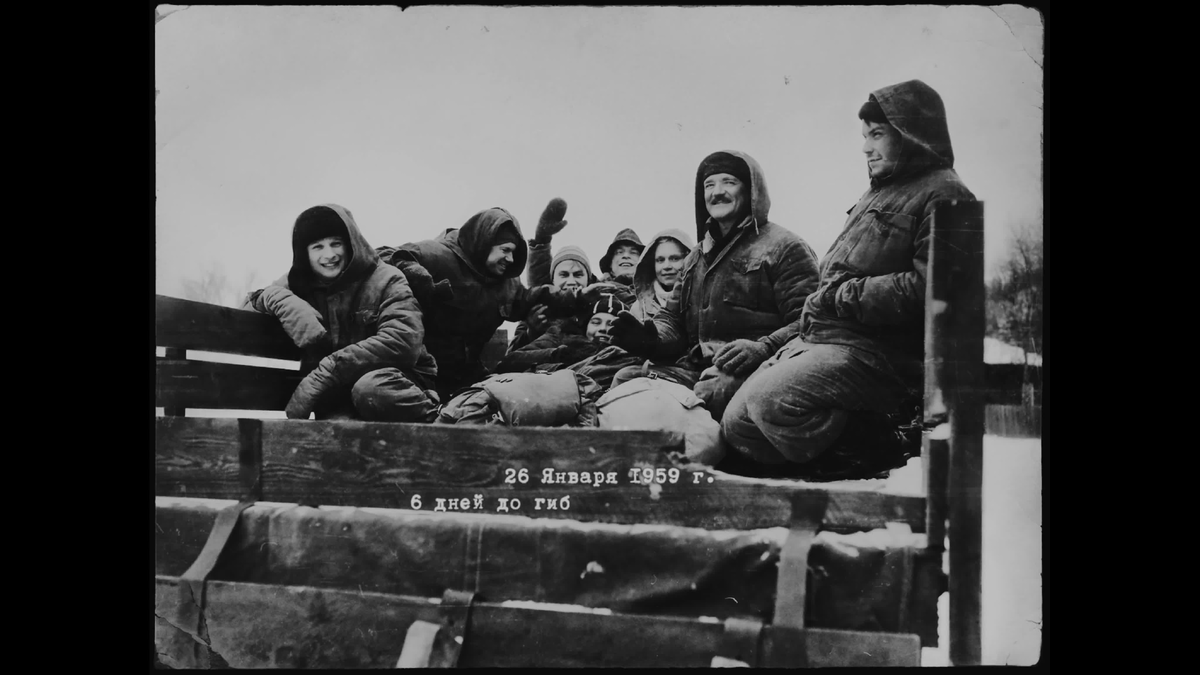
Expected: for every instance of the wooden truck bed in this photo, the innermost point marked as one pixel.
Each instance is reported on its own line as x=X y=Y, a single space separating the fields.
x=301 y=544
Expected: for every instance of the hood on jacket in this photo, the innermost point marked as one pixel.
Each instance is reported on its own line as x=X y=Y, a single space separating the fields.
x=361 y=258
x=625 y=236
x=917 y=112
x=474 y=240
x=643 y=278
x=760 y=200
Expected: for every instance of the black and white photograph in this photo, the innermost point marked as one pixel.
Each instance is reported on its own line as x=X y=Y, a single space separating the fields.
x=564 y=336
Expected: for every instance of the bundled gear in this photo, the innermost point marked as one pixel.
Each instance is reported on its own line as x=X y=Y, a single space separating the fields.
x=653 y=404
x=558 y=399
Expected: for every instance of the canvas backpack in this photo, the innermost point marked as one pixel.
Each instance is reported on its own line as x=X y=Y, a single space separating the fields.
x=654 y=403
x=561 y=398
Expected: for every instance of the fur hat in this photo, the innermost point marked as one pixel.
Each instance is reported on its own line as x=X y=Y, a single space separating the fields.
x=723 y=162
x=317 y=223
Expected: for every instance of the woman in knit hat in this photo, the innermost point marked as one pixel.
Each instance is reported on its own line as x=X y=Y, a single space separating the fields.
x=569 y=270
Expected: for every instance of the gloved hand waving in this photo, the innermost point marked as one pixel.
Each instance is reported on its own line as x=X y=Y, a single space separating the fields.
x=636 y=337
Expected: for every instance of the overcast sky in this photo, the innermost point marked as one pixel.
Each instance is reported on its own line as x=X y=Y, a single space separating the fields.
x=417 y=119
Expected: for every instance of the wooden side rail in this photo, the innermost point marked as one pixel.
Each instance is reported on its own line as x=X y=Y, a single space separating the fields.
x=867 y=584
x=257 y=625
x=185 y=325
x=954 y=395
x=406 y=466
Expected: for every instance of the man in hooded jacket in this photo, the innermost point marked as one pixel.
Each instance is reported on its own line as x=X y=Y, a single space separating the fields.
x=739 y=297
x=467 y=283
x=819 y=408
x=357 y=322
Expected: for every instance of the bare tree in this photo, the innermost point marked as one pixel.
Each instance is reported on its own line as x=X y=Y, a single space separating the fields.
x=1015 y=296
x=213 y=286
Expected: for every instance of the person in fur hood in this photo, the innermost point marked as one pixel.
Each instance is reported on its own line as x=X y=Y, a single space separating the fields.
x=660 y=266
x=839 y=400
x=357 y=322
x=467 y=282
x=740 y=293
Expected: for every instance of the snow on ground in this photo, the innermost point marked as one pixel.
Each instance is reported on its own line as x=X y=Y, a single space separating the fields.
x=1012 y=556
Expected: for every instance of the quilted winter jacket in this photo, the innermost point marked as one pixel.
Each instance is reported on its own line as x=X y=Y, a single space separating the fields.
x=754 y=289
x=885 y=243
x=457 y=330
x=365 y=320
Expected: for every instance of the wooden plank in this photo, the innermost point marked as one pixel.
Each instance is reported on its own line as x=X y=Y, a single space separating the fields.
x=260 y=625
x=1013 y=421
x=197 y=457
x=187 y=324
x=957 y=292
x=832 y=648
x=385 y=465
x=936 y=460
x=177 y=355
x=204 y=384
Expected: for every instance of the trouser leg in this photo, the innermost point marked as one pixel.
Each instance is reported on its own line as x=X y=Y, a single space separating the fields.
x=795 y=408
x=388 y=395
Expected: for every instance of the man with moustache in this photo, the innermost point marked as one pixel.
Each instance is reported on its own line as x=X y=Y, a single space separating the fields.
x=740 y=294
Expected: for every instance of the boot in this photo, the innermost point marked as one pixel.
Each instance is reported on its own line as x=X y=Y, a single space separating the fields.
x=870 y=447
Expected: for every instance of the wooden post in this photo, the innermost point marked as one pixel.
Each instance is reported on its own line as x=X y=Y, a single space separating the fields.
x=956 y=322
x=177 y=354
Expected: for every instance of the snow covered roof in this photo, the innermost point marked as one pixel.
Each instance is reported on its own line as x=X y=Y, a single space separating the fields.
x=995 y=351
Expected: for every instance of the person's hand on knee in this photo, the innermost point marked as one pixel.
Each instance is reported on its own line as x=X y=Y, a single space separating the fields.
x=741 y=357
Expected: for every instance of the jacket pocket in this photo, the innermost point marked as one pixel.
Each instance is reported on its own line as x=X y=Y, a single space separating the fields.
x=366 y=322
x=884 y=244
x=744 y=287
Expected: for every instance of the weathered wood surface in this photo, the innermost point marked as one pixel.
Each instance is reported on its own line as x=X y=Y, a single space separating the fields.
x=187 y=324
x=955 y=332
x=1013 y=421
x=205 y=384
x=640 y=569
x=257 y=626
x=386 y=465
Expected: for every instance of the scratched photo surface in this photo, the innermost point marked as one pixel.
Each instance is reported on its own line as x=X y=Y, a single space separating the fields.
x=417 y=119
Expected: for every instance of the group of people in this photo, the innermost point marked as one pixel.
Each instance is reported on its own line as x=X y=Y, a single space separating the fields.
x=810 y=367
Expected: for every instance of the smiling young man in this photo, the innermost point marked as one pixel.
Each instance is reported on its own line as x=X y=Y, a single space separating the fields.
x=357 y=321
x=468 y=283
x=820 y=407
x=739 y=295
